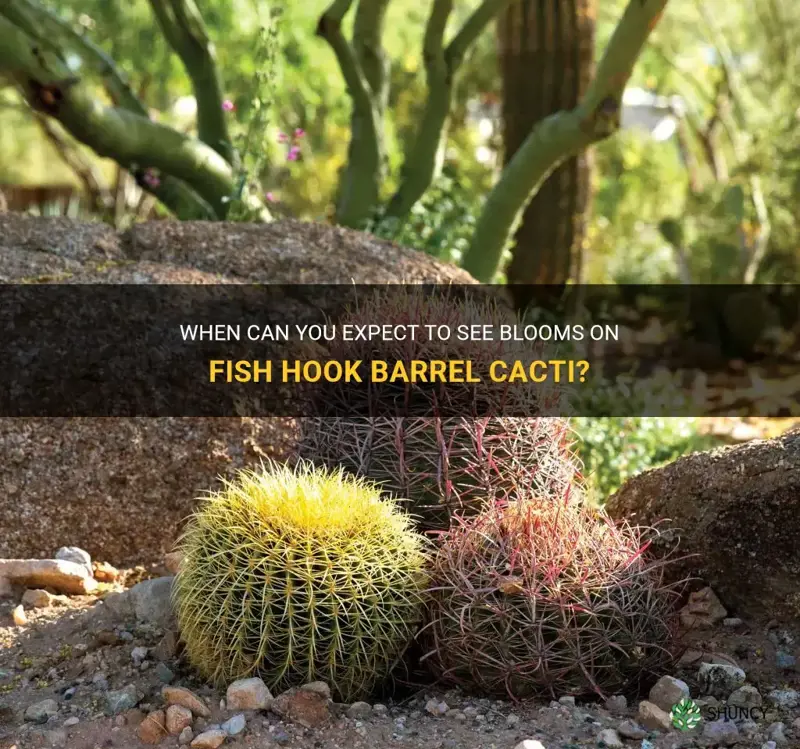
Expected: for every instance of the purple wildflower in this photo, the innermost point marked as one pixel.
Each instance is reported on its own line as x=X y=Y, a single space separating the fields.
x=151 y=179
x=294 y=153
x=282 y=138
x=271 y=197
x=299 y=132
x=228 y=106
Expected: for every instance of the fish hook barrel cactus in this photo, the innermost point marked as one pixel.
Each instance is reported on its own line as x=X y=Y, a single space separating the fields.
x=296 y=575
x=444 y=467
x=547 y=598
x=445 y=448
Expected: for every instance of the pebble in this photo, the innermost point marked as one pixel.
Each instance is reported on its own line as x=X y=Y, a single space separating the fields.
x=567 y=700
x=248 y=694
x=138 y=655
x=719 y=679
x=668 y=691
x=37 y=599
x=786 y=698
x=178 y=718
x=746 y=696
x=359 y=710
x=512 y=720
x=186 y=698
x=769 y=745
x=76 y=555
x=164 y=673
x=19 y=617
x=785 y=661
x=617 y=704
x=530 y=744
x=776 y=734
x=235 y=725
x=609 y=738
x=120 y=700
x=186 y=736
x=73 y=721
x=720 y=733
x=41 y=712
x=631 y=730
x=317 y=687
x=153 y=728
x=653 y=717
x=209 y=739
x=379 y=709
x=435 y=707
x=732 y=622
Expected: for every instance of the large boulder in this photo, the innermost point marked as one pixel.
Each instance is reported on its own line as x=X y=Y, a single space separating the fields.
x=738 y=510
x=122 y=487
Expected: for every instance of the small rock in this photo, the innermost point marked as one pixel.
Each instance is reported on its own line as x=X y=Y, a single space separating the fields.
x=178 y=717
x=209 y=739
x=167 y=647
x=732 y=622
x=151 y=601
x=235 y=725
x=56 y=574
x=703 y=610
x=56 y=739
x=41 y=712
x=138 y=655
x=609 y=738
x=318 y=687
x=769 y=745
x=530 y=744
x=435 y=707
x=567 y=700
x=164 y=673
x=359 y=710
x=153 y=728
x=746 y=696
x=37 y=599
x=104 y=572
x=720 y=680
x=308 y=708
x=186 y=736
x=786 y=698
x=19 y=617
x=379 y=709
x=511 y=720
x=248 y=694
x=617 y=704
x=119 y=721
x=668 y=691
x=785 y=661
x=172 y=561
x=720 y=733
x=75 y=555
x=120 y=700
x=631 y=730
x=653 y=717
x=185 y=698
x=775 y=733
x=73 y=721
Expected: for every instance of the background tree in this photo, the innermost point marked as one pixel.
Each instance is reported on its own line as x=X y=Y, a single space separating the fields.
x=546 y=51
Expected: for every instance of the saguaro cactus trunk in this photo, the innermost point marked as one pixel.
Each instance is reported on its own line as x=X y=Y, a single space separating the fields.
x=546 y=50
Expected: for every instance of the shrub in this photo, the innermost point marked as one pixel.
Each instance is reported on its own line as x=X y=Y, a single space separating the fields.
x=544 y=597
x=299 y=575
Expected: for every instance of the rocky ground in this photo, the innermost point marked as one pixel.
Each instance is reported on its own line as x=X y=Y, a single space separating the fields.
x=105 y=670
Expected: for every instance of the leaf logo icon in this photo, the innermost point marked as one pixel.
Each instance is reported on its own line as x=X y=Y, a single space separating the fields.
x=685 y=715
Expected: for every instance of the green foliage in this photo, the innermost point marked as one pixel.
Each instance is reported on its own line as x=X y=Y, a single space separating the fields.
x=612 y=449
x=547 y=598
x=299 y=575
x=440 y=224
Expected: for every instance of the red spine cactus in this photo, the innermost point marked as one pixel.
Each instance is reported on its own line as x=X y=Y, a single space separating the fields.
x=547 y=598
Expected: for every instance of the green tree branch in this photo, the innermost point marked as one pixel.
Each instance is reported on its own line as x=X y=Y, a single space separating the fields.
x=130 y=139
x=182 y=25
x=360 y=183
x=423 y=160
x=560 y=136
x=174 y=194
